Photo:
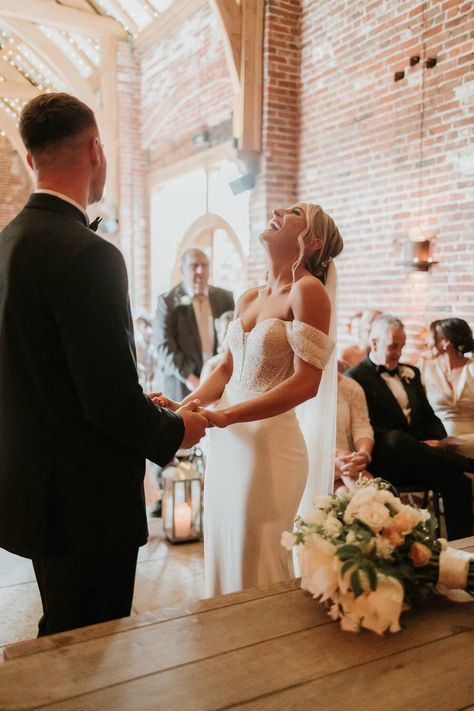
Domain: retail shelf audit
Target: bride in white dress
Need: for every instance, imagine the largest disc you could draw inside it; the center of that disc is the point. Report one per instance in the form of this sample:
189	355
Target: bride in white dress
276	350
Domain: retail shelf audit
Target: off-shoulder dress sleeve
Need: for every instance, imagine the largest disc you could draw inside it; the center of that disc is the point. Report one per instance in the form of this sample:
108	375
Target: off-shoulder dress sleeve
309	343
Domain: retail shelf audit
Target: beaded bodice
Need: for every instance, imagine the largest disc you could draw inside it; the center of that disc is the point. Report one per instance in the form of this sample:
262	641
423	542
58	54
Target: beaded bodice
263	357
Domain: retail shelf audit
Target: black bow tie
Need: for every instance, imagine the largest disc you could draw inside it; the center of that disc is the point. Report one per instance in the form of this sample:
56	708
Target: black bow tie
94	224
382	369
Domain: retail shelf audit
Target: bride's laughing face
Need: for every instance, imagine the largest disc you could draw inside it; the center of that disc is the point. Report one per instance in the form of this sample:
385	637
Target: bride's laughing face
285	226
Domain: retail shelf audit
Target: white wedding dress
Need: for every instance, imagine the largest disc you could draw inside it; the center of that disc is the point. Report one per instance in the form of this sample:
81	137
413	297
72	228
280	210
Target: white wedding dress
256	471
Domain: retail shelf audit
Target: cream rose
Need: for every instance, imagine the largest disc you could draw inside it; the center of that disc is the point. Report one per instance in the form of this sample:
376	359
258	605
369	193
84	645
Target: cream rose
376	516
380	609
288	540
319	567
332	525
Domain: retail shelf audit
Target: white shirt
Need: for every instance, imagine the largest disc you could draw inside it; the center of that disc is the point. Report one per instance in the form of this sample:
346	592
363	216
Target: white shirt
398	391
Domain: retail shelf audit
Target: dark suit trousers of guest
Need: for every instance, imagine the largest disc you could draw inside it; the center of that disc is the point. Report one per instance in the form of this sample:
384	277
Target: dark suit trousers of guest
83	590
403	460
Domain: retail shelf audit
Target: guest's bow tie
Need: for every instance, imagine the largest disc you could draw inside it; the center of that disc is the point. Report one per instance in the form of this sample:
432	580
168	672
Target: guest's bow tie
382	369
94	224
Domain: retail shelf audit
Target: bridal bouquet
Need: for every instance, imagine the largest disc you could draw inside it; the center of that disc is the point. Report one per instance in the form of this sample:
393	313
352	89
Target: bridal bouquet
366	553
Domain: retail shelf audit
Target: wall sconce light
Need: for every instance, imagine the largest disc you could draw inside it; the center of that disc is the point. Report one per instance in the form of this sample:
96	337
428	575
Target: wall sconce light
418	255
414	60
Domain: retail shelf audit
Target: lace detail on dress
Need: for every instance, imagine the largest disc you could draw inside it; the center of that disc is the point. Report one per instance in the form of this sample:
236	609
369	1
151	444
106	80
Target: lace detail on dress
263	357
309	343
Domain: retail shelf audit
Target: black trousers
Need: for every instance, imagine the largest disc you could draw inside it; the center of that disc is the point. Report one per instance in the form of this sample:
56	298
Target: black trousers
83	590
403	460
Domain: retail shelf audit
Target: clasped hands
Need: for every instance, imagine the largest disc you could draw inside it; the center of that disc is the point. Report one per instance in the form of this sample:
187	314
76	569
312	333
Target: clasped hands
215	418
350	465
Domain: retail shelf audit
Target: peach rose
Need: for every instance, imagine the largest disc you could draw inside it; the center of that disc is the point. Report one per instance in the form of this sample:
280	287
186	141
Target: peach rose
393	536
406	520
419	554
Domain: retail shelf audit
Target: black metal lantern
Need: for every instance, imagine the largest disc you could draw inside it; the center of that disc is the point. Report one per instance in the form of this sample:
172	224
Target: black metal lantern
182	500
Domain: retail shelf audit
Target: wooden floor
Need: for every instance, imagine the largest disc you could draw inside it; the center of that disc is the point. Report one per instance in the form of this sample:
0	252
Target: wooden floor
167	575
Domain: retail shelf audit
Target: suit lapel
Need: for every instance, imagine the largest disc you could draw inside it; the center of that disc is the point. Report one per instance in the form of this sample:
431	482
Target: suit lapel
382	388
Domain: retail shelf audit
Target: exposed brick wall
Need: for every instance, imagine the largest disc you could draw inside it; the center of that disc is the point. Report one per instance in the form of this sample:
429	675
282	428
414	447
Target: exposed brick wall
361	154
277	181
15	184
185	84
133	238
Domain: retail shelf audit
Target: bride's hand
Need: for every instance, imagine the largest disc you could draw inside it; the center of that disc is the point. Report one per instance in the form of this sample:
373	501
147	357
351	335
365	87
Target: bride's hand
216	418
162	401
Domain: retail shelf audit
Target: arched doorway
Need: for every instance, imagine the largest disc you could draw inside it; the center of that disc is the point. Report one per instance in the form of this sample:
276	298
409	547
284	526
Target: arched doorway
217	238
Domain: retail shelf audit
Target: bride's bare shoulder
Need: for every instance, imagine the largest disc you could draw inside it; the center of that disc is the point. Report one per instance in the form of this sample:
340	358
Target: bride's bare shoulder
247	298
310	302
310	288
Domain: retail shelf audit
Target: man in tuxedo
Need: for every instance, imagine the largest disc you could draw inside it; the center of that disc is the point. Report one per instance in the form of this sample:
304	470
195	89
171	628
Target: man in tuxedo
408	435
75	426
184	331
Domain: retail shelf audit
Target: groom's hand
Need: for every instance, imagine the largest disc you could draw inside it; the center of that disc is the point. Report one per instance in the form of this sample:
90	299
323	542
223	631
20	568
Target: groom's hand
194	424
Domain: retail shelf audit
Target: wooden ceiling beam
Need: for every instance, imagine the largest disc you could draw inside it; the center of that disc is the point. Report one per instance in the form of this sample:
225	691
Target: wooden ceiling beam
242	26
251	76
230	17
54	58
18	90
64	18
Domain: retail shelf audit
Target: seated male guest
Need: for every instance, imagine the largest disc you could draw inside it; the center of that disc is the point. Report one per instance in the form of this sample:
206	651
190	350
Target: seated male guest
408	448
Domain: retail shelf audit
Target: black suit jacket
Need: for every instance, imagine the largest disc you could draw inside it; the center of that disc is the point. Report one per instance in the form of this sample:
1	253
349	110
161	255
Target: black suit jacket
384	410
177	339
75	426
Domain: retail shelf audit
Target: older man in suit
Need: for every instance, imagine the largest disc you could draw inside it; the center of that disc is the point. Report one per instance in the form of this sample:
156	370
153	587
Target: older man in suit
75	425
184	331
408	435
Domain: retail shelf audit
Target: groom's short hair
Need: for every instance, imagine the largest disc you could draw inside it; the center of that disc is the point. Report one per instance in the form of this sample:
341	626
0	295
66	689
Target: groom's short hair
49	119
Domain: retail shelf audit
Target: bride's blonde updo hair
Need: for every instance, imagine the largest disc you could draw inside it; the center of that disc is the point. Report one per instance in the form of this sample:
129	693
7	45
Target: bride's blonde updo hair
319	225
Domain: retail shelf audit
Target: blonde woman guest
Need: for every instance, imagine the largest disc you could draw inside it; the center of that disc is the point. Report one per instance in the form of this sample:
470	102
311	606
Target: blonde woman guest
449	379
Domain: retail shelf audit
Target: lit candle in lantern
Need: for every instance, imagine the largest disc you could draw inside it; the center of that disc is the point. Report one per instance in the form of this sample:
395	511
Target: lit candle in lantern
182	520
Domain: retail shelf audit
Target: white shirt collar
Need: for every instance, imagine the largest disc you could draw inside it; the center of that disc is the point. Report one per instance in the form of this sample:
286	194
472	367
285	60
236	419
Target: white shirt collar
66	198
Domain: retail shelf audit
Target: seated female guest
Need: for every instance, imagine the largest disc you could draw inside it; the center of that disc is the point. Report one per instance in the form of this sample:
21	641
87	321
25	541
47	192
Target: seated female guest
449	379
354	434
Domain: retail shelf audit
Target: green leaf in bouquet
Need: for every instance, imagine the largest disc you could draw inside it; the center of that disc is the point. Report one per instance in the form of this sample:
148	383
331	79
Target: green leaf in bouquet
369	569
348	551
355	584
362	532
347	566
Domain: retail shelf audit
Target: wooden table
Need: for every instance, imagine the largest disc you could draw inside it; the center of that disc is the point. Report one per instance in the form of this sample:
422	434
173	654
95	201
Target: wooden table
268	648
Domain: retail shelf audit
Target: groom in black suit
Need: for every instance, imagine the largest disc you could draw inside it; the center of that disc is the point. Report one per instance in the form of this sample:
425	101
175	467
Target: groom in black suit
408	435
75	426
